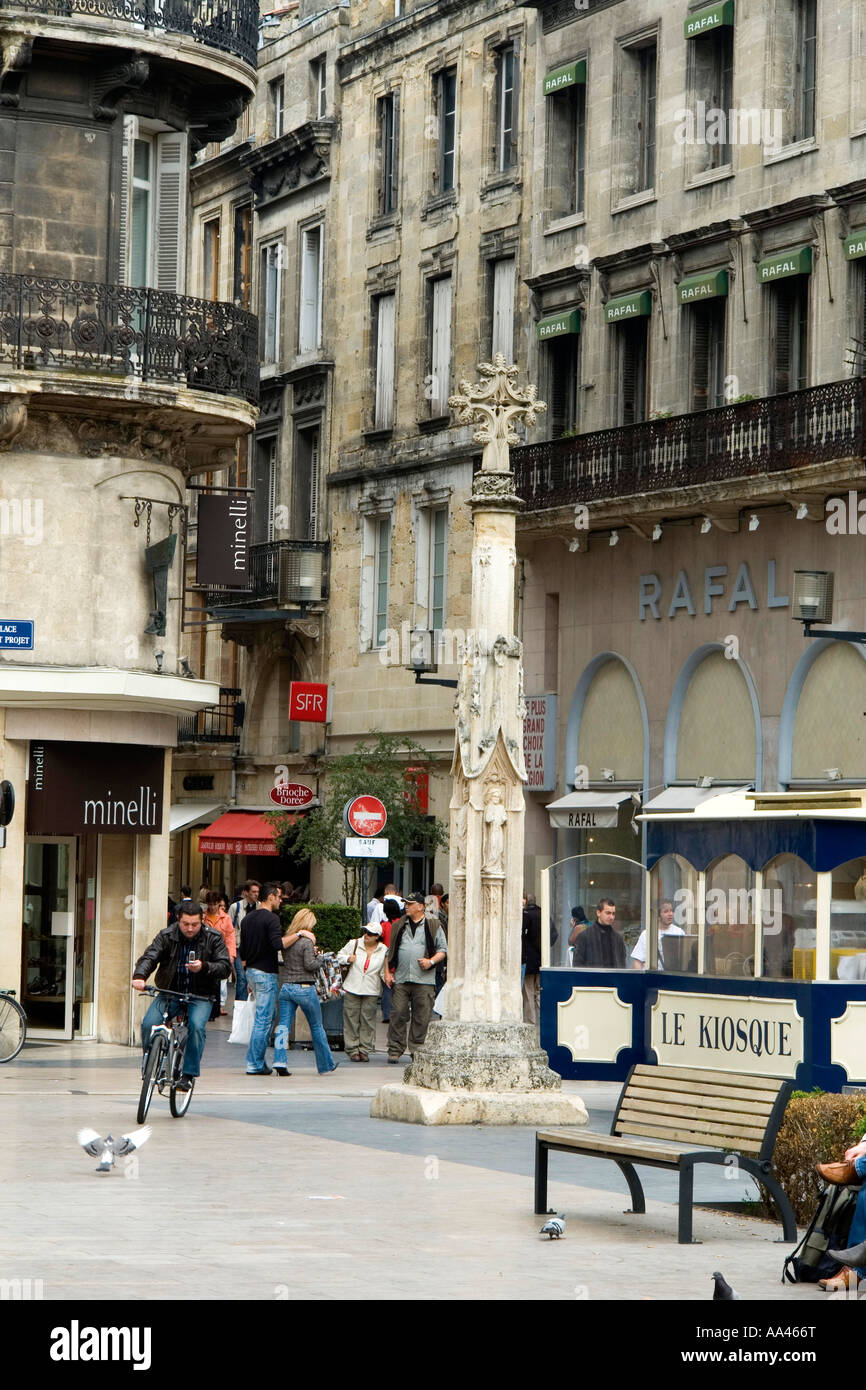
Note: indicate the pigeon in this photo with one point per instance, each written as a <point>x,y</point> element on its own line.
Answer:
<point>554,1228</point>
<point>723,1289</point>
<point>108,1149</point>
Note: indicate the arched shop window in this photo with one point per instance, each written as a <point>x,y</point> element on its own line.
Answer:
<point>729,918</point>
<point>611,731</point>
<point>788,916</point>
<point>714,726</point>
<point>829,733</point>
<point>674,877</point>
<point>848,921</point>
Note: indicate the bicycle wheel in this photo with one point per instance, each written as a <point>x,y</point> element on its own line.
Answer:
<point>178,1100</point>
<point>13,1028</point>
<point>151,1072</point>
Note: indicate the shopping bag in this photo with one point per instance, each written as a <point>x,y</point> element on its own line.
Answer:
<point>242,1021</point>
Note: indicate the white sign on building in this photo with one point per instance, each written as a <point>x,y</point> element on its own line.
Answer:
<point>727,1032</point>
<point>539,742</point>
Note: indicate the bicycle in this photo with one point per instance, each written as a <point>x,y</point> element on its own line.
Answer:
<point>13,1026</point>
<point>163,1062</point>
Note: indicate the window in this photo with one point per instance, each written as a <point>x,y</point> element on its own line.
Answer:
<point>265,490</point>
<point>445,109</point>
<point>807,47</point>
<point>565,157</point>
<point>242,270</point>
<point>647,123</point>
<point>318,87</point>
<point>707,355</point>
<point>439,345</point>
<point>211,259</point>
<point>506,124</point>
<point>858,353</point>
<point>438,564</point>
<point>387,148</point>
<point>305,485</point>
<point>632,364</point>
<point>310,315</point>
<point>381,569</point>
<point>384,322</point>
<point>270,295</point>
<point>502,315</point>
<point>562,376</point>
<point>789,347</point>
<point>637,118</point>
<point>712,57</point>
<point>277,105</point>
<point>153,197</point>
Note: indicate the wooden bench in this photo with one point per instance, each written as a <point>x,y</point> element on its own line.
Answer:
<point>674,1117</point>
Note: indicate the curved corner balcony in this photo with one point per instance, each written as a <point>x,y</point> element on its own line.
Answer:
<point>229,26</point>
<point>125,336</point>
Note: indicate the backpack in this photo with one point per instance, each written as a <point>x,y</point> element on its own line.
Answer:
<point>830,1225</point>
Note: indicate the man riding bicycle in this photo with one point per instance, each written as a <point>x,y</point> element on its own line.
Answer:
<point>190,958</point>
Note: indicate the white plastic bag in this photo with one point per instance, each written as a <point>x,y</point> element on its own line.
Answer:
<point>242,1021</point>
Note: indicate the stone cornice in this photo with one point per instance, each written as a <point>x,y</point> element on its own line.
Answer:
<point>786,212</point>
<point>293,161</point>
<point>355,55</point>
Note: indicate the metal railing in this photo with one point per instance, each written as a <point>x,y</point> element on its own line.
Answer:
<point>769,435</point>
<point>230,25</point>
<point>69,325</point>
<point>220,725</point>
<point>277,571</point>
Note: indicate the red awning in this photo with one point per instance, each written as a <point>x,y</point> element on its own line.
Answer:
<point>238,832</point>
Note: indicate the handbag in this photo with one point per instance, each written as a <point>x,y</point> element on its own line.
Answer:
<point>242,1021</point>
<point>330,977</point>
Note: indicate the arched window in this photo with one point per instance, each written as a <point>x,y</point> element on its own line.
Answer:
<point>673,882</point>
<point>829,734</point>
<point>729,917</point>
<point>715,725</point>
<point>788,909</point>
<point>611,728</point>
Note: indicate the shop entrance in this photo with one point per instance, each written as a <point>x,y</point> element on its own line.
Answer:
<point>58,936</point>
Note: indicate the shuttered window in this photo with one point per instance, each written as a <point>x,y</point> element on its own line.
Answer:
<point>130,128</point>
<point>211,259</point>
<point>438,567</point>
<point>632,345</point>
<point>310,317</point>
<point>790,338</point>
<point>305,485</point>
<point>384,313</point>
<point>503,308</point>
<point>807,53</point>
<point>242,272</point>
<point>506,131</point>
<point>152,223</point>
<point>562,372</point>
<point>382,569</point>
<point>647,120</point>
<point>445,103</point>
<point>170,210</point>
<point>265,489</point>
<point>565,158</point>
<point>388,139</point>
<point>270,295</point>
<point>440,345</point>
<point>707,355</point>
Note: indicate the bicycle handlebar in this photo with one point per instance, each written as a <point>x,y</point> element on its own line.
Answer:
<point>151,989</point>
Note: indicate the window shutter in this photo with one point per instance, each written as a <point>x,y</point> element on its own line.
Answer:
<point>170,211</point>
<point>562,389</point>
<point>265,485</point>
<point>395,148</point>
<point>309,329</point>
<point>385,326</point>
<point>700,357</point>
<point>441,354</point>
<point>515,106</point>
<point>503,308</point>
<point>313,525</point>
<point>633,374</point>
<point>130,130</point>
<point>782,340</point>
<point>270,291</point>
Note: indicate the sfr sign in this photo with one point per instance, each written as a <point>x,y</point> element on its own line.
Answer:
<point>309,703</point>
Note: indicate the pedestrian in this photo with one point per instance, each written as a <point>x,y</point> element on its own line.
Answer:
<point>414,953</point>
<point>246,901</point>
<point>530,956</point>
<point>578,924</point>
<point>393,913</point>
<point>298,991</point>
<point>600,946</point>
<point>203,891</point>
<point>362,988</point>
<point>667,927</point>
<point>437,918</point>
<point>216,917</point>
<point>261,939</point>
<point>375,911</point>
<point>391,892</point>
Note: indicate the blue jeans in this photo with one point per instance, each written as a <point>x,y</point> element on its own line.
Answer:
<point>199,1013</point>
<point>858,1222</point>
<point>265,987</point>
<point>302,997</point>
<point>241,991</point>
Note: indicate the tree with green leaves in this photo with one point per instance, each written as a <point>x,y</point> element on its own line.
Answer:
<point>377,767</point>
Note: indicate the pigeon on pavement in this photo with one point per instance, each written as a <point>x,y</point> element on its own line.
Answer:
<point>109,1148</point>
<point>723,1289</point>
<point>554,1228</point>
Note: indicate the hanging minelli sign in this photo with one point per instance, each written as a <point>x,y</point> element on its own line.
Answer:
<point>223,540</point>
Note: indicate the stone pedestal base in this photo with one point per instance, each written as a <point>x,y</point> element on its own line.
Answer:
<point>479,1073</point>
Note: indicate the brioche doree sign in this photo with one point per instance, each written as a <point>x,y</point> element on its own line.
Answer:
<point>292,796</point>
<point>759,1036</point>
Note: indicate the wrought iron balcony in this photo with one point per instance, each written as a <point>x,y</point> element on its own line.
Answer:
<point>770,435</point>
<point>48,324</point>
<point>286,572</point>
<point>220,725</point>
<point>229,25</point>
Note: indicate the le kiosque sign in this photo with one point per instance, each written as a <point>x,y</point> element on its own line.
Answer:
<point>760,1036</point>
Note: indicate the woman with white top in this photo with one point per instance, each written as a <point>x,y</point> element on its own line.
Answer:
<point>362,987</point>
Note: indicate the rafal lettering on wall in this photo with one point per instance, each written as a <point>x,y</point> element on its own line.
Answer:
<point>742,593</point>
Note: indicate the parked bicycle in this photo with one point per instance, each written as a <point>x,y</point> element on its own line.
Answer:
<point>13,1026</point>
<point>163,1061</point>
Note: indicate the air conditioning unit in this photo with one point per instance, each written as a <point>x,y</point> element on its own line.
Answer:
<point>300,576</point>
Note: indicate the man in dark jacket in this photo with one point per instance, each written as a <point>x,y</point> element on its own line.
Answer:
<point>192,959</point>
<point>530,956</point>
<point>601,945</point>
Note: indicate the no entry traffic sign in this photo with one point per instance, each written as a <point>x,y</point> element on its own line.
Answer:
<point>365,816</point>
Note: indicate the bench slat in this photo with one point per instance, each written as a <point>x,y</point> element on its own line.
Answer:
<point>731,1115</point>
<point>714,1096</point>
<point>700,1139</point>
<point>614,1145</point>
<point>696,1124</point>
<point>712,1078</point>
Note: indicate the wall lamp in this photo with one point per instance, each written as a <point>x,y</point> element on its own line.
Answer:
<point>812,602</point>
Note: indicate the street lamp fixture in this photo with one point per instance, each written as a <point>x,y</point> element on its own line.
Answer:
<point>421,644</point>
<point>812,602</point>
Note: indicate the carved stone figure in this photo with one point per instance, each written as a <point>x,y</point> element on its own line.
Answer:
<point>495,817</point>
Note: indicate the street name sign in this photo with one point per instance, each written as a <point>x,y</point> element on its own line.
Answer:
<point>17,634</point>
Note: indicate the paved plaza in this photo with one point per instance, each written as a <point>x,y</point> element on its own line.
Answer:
<point>277,1188</point>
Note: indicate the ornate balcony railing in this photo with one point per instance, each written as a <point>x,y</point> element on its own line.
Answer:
<point>288,572</point>
<point>769,435</point>
<point>113,330</point>
<point>220,725</point>
<point>230,25</point>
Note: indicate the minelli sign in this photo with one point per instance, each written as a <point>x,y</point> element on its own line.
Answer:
<point>106,788</point>
<point>223,540</point>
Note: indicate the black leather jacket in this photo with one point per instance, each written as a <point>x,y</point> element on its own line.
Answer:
<point>163,952</point>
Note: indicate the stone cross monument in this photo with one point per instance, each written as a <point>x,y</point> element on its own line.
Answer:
<point>482,1063</point>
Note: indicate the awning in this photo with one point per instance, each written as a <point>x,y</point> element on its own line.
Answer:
<point>685,798</point>
<point>573,74</point>
<point>558,324</point>
<point>587,810</point>
<point>629,306</point>
<point>712,17</point>
<point>711,285</point>
<point>797,261</point>
<point>855,245</point>
<point>238,832</point>
<point>184,813</point>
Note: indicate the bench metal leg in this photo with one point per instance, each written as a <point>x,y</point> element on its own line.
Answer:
<point>687,1190</point>
<point>638,1204</point>
<point>783,1206</point>
<point>541,1153</point>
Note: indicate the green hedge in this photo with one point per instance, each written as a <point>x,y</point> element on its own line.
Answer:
<point>818,1127</point>
<point>335,923</point>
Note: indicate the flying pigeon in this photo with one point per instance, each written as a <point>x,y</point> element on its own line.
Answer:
<point>723,1289</point>
<point>554,1228</point>
<point>106,1150</point>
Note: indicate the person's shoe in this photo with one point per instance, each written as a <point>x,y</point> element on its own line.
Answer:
<point>855,1256</point>
<point>185,1083</point>
<point>282,1071</point>
<point>393,1061</point>
<point>356,1057</point>
<point>265,1071</point>
<point>330,1070</point>
<point>362,1057</point>
<point>845,1279</point>
<point>837,1173</point>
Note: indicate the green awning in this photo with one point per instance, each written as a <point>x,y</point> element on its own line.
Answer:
<point>855,245</point>
<point>711,285</point>
<point>713,17</point>
<point>629,306</point>
<point>797,261</point>
<point>569,76</point>
<point>558,324</point>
